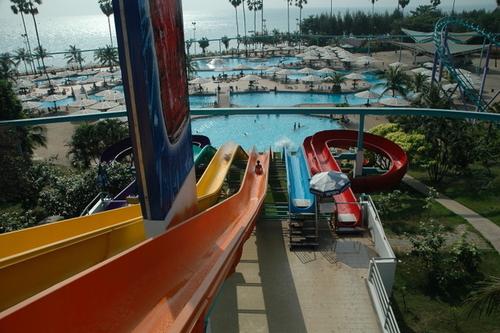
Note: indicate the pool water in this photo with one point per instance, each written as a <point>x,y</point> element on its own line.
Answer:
<point>252,62</point>
<point>292,99</point>
<point>263,131</point>
<point>202,101</point>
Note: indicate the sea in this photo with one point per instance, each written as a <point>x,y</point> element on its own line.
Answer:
<point>89,32</point>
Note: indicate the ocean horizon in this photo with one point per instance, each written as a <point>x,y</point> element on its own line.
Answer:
<point>89,32</point>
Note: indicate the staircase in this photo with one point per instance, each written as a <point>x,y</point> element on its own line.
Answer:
<point>303,232</point>
<point>276,203</point>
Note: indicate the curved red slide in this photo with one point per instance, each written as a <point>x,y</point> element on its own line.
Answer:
<point>320,159</point>
<point>375,143</point>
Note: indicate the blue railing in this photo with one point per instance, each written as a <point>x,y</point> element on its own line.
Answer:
<point>386,111</point>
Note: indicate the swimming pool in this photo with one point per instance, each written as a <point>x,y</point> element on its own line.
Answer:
<point>206,101</point>
<point>263,131</point>
<point>203,64</point>
<point>292,99</point>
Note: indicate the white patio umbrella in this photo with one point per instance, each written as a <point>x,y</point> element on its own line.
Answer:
<point>54,98</point>
<point>87,72</point>
<point>347,46</point>
<point>310,78</point>
<point>31,105</point>
<point>200,80</point>
<point>102,106</point>
<point>326,70</point>
<point>310,57</point>
<point>111,95</point>
<point>306,70</point>
<point>354,76</point>
<point>120,107</point>
<point>398,64</point>
<point>368,95</point>
<point>250,77</point>
<point>392,101</point>
<point>84,102</point>
<point>285,71</point>
<point>329,183</point>
<point>428,65</point>
<point>223,69</point>
<point>450,86</point>
<point>272,70</point>
<point>418,70</point>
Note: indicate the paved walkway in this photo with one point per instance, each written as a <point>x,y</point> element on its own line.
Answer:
<point>275,290</point>
<point>486,228</point>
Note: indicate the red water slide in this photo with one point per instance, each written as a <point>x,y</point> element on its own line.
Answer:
<point>374,143</point>
<point>320,159</point>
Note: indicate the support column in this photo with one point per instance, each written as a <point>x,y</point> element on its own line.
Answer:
<point>485,73</point>
<point>358,168</point>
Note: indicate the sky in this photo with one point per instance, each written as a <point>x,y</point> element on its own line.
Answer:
<point>90,7</point>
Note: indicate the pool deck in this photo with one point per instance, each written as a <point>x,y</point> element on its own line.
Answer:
<point>276,290</point>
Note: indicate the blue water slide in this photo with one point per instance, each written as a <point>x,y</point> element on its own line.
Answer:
<point>300,200</point>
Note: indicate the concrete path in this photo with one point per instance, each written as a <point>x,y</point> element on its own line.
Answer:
<point>276,290</point>
<point>486,228</point>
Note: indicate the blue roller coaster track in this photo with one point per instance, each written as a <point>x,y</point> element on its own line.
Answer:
<point>446,60</point>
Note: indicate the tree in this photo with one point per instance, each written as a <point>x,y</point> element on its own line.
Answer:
<point>373,22</point>
<point>288,3</point>
<point>418,82</point>
<point>74,56</point>
<point>30,8</point>
<point>435,3</point>
<point>397,80</point>
<point>300,4</point>
<point>41,53</point>
<point>89,141</point>
<point>254,5</point>
<point>8,69</point>
<point>245,28</point>
<point>16,146</point>
<point>107,56</point>
<point>403,4</point>
<point>486,298</point>
<point>191,66</point>
<point>107,9</point>
<point>204,43</point>
<point>22,56</point>
<point>235,4</point>
<point>17,7</point>
<point>225,40</point>
<point>337,80</point>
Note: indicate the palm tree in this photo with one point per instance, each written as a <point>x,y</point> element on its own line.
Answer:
<point>74,55</point>
<point>29,7</point>
<point>254,5</point>
<point>418,82</point>
<point>245,27</point>
<point>397,80</point>
<point>486,299</point>
<point>191,66</point>
<point>8,69</point>
<point>17,8</point>
<point>107,56</point>
<point>337,80</point>
<point>41,53</point>
<point>403,4</point>
<point>373,23</point>
<point>22,55</point>
<point>235,4</point>
<point>300,4</point>
<point>225,40</point>
<point>107,9</point>
<point>288,3</point>
<point>204,42</point>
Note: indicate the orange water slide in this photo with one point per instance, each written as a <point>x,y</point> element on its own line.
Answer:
<point>162,284</point>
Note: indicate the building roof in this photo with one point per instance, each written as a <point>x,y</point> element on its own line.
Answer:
<point>456,49</point>
<point>424,37</point>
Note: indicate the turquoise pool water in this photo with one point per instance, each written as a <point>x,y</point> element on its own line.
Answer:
<point>202,101</point>
<point>252,62</point>
<point>263,131</point>
<point>292,99</point>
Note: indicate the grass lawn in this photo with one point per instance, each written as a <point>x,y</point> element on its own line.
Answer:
<point>406,218</point>
<point>479,192</point>
<point>417,311</point>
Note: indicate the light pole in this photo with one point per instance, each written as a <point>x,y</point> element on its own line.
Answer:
<point>194,36</point>
<point>331,8</point>
<point>453,8</point>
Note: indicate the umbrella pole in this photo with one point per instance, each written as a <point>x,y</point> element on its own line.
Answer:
<point>358,169</point>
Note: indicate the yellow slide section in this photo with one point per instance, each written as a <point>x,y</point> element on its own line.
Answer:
<point>210,184</point>
<point>33,261</point>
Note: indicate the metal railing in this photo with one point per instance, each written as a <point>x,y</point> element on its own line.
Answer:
<point>388,320</point>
